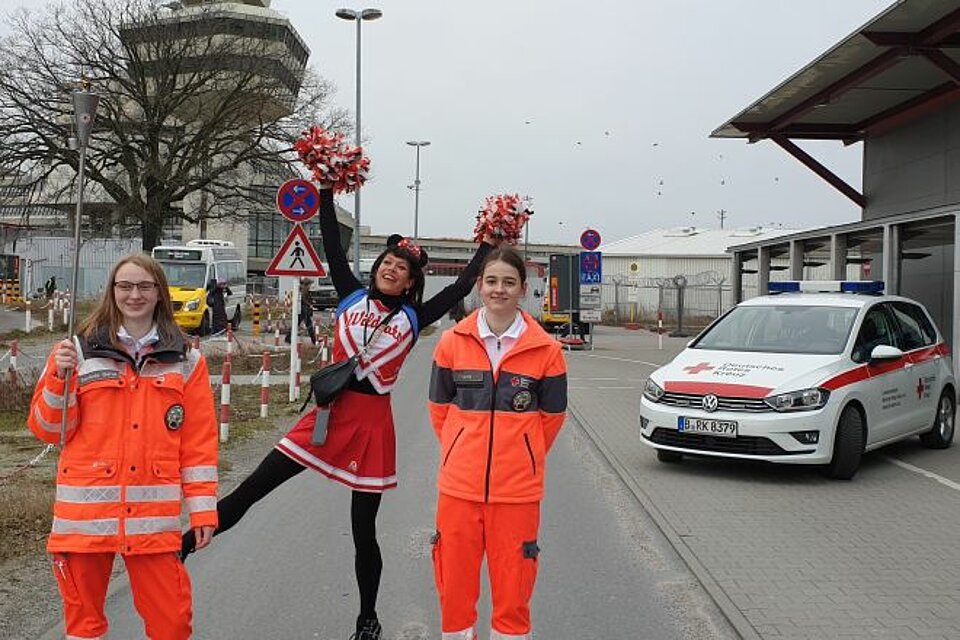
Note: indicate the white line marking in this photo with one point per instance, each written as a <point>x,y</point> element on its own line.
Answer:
<point>649,364</point>
<point>924,472</point>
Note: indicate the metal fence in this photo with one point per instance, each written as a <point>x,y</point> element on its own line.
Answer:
<point>687,302</point>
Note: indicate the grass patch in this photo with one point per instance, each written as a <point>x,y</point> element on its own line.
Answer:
<point>26,509</point>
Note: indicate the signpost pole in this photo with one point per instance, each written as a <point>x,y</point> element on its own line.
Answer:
<point>294,338</point>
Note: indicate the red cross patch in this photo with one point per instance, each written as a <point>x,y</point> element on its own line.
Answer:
<point>697,368</point>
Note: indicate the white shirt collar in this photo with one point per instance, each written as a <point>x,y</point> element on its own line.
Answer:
<point>513,331</point>
<point>136,345</point>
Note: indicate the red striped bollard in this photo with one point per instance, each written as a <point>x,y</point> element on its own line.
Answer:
<point>323,352</point>
<point>265,385</point>
<point>296,378</point>
<point>276,336</point>
<point>50,317</point>
<point>225,402</point>
<point>229,339</point>
<point>660,329</point>
<point>14,352</point>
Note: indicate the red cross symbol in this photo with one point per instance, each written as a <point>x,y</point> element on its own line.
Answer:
<point>703,366</point>
<point>920,388</point>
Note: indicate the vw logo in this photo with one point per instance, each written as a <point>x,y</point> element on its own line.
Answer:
<point>710,403</point>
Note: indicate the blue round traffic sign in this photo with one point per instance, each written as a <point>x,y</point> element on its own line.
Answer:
<point>590,239</point>
<point>298,200</point>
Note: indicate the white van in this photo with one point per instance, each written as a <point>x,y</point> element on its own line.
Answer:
<point>190,267</point>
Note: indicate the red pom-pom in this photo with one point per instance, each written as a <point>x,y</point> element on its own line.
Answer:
<point>331,161</point>
<point>502,217</point>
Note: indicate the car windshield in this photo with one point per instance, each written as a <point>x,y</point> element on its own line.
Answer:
<point>817,330</point>
<point>185,275</point>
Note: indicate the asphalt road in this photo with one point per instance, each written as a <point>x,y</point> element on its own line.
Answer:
<point>286,571</point>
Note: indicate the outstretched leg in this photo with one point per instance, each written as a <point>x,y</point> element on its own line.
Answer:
<point>273,470</point>
<point>368,562</point>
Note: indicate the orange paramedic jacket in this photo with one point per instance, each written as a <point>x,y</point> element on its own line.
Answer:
<point>139,442</point>
<point>495,428</point>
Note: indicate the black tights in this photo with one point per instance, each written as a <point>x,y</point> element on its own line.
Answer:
<point>274,470</point>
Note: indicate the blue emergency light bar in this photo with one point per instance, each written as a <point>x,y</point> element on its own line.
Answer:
<point>826,286</point>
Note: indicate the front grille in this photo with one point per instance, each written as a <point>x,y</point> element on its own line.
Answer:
<point>751,405</point>
<point>177,305</point>
<point>748,445</point>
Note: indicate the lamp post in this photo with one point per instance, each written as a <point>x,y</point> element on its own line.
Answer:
<point>416,186</point>
<point>358,17</point>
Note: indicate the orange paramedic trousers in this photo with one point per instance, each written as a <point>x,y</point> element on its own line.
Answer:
<point>507,533</point>
<point>160,586</point>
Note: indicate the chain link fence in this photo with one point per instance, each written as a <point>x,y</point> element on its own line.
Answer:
<point>687,303</point>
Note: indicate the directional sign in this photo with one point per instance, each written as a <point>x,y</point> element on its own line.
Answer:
<point>296,257</point>
<point>298,200</point>
<point>591,267</point>
<point>590,239</point>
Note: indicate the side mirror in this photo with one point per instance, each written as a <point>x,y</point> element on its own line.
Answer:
<point>884,352</point>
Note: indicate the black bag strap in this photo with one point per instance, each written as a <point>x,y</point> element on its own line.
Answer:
<point>376,334</point>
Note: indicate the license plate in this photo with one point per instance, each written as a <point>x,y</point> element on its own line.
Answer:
<point>707,426</point>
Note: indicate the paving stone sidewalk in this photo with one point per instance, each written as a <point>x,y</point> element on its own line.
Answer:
<point>797,555</point>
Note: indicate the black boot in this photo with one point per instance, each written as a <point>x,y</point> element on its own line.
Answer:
<point>367,629</point>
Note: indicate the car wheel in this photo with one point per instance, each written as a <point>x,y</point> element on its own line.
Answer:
<point>669,457</point>
<point>848,445</point>
<point>204,328</point>
<point>237,317</point>
<point>941,433</point>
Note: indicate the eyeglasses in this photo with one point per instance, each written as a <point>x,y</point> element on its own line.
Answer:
<point>143,287</point>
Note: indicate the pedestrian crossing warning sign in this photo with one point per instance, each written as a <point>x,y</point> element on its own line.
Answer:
<point>296,257</point>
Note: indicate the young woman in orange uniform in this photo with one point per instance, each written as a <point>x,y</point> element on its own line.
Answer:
<point>498,397</point>
<point>141,440</point>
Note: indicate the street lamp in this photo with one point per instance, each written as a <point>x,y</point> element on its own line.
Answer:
<point>358,17</point>
<point>416,185</point>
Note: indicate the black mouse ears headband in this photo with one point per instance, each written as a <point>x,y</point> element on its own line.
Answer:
<point>408,246</point>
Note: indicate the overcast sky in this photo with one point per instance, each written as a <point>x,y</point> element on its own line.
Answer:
<point>587,107</point>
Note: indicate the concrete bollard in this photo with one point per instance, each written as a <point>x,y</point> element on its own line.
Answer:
<point>265,384</point>
<point>14,352</point>
<point>29,317</point>
<point>50,317</point>
<point>229,339</point>
<point>225,402</point>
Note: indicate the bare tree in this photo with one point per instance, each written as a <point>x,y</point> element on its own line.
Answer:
<point>197,105</point>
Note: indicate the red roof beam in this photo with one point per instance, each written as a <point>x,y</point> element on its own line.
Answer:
<point>922,104</point>
<point>945,63</point>
<point>908,40</point>
<point>878,65</point>
<point>808,161</point>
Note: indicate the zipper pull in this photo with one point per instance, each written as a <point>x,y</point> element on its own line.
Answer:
<point>498,344</point>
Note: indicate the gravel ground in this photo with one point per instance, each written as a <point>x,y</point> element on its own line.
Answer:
<point>29,602</point>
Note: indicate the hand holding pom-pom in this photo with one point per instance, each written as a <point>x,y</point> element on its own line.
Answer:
<point>502,218</point>
<point>331,162</point>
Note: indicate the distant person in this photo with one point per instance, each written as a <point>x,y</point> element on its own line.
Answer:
<point>305,317</point>
<point>216,300</point>
<point>498,397</point>
<point>141,451</point>
<point>50,287</point>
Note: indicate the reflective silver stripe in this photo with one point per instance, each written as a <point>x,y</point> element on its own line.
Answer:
<point>104,527</point>
<point>199,474</point>
<point>86,637</point>
<point>137,526</point>
<point>55,401</point>
<point>466,634</point>
<point>193,359</point>
<point>153,493</point>
<point>88,495</point>
<point>201,503</point>
<point>50,426</point>
<point>496,635</point>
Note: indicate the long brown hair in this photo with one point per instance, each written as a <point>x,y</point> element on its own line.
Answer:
<point>107,313</point>
<point>509,255</point>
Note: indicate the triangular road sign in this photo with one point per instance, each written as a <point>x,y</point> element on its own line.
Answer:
<point>296,257</point>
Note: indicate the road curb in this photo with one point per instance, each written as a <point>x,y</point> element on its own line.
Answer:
<point>729,610</point>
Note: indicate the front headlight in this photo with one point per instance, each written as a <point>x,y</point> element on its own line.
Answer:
<point>652,391</point>
<point>192,305</point>
<point>803,400</point>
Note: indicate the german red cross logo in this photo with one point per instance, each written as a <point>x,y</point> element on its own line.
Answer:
<point>697,368</point>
